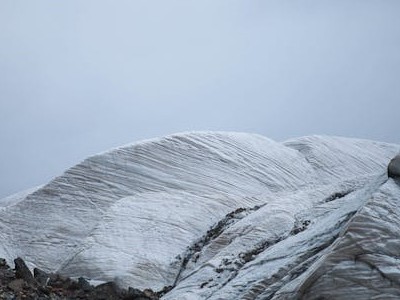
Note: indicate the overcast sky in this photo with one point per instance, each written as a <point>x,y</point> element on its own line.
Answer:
<point>79,77</point>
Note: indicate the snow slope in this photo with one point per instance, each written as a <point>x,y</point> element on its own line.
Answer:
<point>219,216</point>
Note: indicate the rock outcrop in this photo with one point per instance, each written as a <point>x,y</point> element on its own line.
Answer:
<point>394,167</point>
<point>19,284</point>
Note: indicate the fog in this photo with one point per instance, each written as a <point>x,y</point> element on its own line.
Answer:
<point>80,77</point>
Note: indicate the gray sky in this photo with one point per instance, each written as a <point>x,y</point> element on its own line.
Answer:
<point>80,77</point>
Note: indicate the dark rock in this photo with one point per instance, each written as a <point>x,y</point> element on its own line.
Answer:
<point>107,291</point>
<point>22,271</point>
<point>394,167</point>
<point>58,281</point>
<point>165,290</point>
<point>135,294</point>
<point>40,276</point>
<point>17,285</point>
<point>3,263</point>
<point>43,290</point>
<point>337,195</point>
<point>61,288</point>
<point>84,284</point>
<point>6,274</point>
<point>150,294</point>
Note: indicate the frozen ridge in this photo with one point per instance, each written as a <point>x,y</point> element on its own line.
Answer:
<point>219,215</point>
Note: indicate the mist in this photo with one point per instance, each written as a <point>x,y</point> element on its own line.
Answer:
<point>80,77</point>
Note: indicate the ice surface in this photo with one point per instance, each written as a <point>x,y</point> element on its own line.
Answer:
<point>219,216</point>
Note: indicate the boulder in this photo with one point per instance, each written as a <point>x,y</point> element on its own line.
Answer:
<point>135,294</point>
<point>22,271</point>
<point>3,263</point>
<point>394,167</point>
<point>41,276</point>
<point>107,291</point>
<point>84,284</point>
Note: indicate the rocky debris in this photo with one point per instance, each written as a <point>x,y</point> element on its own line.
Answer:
<point>300,226</point>
<point>394,167</point>
<point>17,285</point>
<point>337,195</point>
<point>20,284</point>
<point>165,290</point>
<point>193,252</point>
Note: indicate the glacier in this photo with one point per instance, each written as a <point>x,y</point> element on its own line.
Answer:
<point>220,215</point>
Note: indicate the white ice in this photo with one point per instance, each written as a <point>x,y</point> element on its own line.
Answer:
<point>317,212</point>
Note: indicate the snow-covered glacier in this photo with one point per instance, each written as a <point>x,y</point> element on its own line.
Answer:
<point>218,215</point>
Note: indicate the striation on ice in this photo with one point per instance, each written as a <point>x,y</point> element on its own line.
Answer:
<point>219,215</point>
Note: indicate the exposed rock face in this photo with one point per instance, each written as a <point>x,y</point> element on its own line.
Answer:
<point>394,167</point>
<point>40,276</point>
<point>219,216</point>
